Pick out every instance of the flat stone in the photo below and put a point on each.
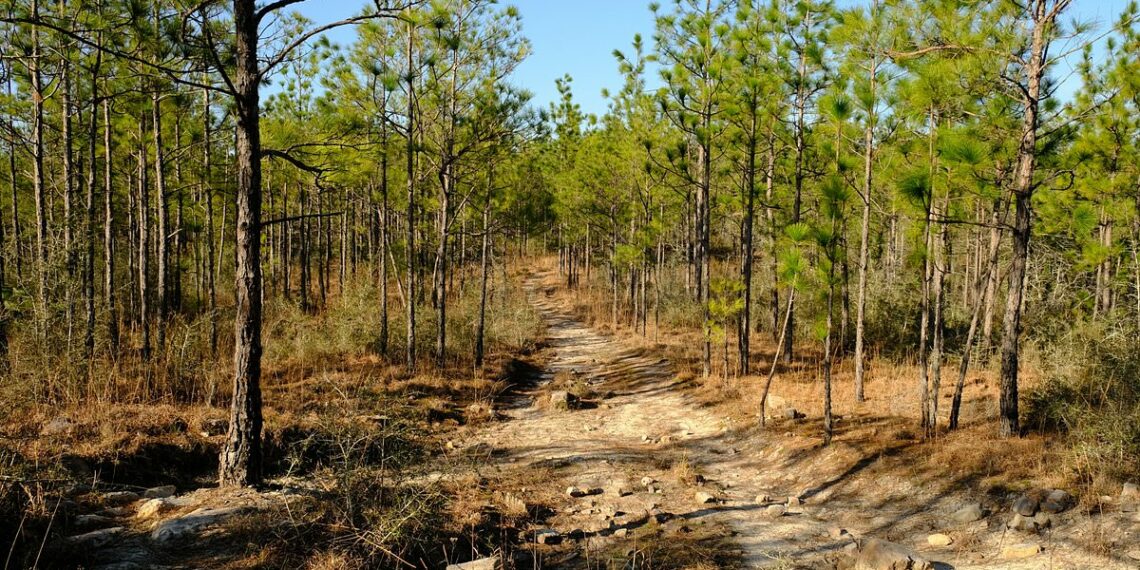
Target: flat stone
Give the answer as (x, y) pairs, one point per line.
(1133, 554)
(939, 540)
(120, 497)
(160, 492)
(703, 498)
(969, 513)
(182, 527)
(878, 554)
(87, 521)
(1017, 551)
(95, 538)
(492, 563)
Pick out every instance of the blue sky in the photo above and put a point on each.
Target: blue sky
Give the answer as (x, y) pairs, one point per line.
(578, 37)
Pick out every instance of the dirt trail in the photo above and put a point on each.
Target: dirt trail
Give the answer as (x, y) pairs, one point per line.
(646, 426)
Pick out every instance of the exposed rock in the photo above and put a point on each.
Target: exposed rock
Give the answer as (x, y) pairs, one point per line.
(621, 532)
(939, 540)
(793, 502)
(95, 538)
(969, 513)
(153, 508)
(837, 532)
(775, 511)
(763, 499)
(160, 492)
(1026, 505)
(1133, 554)
(492, 563)
(547, 536)
(58, 425)
(1057, 501)
(1016, 551)
(704, 498)
(878, 554)
(647, 481)
(183, 526)
(1043, 520)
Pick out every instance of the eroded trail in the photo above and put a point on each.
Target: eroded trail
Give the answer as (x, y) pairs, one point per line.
(656, 465)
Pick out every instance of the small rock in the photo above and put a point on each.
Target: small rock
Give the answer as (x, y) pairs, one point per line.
(969, 513)
(1130, 498)
(1130, 492)
(704, 498)
(58, 425)
(1043, 520)
(547, 536)
(120, 497)
(775, 511)
(153, 508)
(793, 414)
(878, 554)
(793, 502)
(1022, 523)
(647, 481)
(837, 532)
(1057, 501)
(160, 492)
(1026, 505)
(492, 563)
(575, 492)
(762, 499)
(1133, 554)
(621, 532)
(1016, 551)
(562, 400)
(939, 540)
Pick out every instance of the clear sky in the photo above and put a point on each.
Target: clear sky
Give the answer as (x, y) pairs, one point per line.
(578, 37)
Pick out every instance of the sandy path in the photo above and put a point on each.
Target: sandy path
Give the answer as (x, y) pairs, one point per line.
(647, 424)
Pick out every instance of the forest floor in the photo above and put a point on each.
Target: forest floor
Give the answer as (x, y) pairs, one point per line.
(668, 479)
(601, 450)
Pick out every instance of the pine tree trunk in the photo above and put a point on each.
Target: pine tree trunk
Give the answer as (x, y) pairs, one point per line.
(109, 234)
(241, 460)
